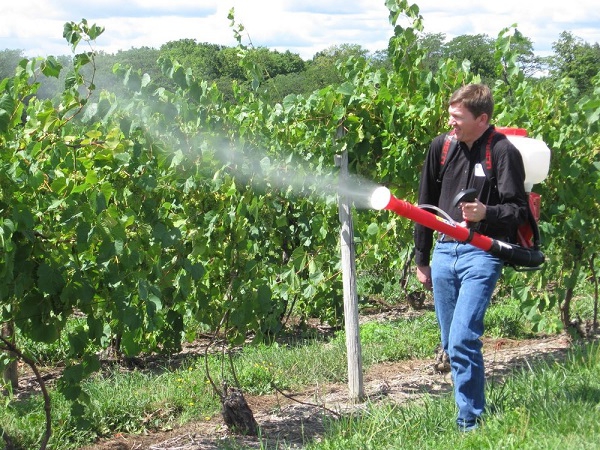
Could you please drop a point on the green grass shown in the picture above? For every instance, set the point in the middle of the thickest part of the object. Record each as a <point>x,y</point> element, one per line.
<point>129,402</point>
<point>505,320</point>
<point>552,405</point>
<point>398,340</point>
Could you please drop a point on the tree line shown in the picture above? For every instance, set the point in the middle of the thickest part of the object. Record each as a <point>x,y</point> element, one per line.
<point>287,73</point>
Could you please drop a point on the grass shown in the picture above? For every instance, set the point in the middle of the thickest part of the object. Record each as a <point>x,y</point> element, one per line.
<point>505,319</point>
<point>551,405</point>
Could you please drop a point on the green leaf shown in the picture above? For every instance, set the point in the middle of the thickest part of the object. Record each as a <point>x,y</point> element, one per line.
<point>91,110</point>
<point>70,381</point>
<point>179,77</point>
<point>196,270</point>
<point>145,80</point>
<point>50,280</point>
<point>51,67</point>
<point>6,109</point>
<point>94,31</point>
<point>346,88</point>
<point>263,297</point>
<point>78,341</point>
<point>45,332</point>
<point>154,304</point>
<point>131,318</point>
<point>82,59</point>
<point>373,229</point>
<point>71,32</point>
<point>130,344</point>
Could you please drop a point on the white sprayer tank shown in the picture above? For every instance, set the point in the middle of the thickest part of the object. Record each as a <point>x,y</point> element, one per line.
<point>535,153</point>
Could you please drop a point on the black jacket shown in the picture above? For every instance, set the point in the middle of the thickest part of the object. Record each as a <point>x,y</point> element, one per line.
<point>503,194</point>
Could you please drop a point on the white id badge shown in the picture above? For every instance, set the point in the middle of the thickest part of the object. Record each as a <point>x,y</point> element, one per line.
<point>479,170</point>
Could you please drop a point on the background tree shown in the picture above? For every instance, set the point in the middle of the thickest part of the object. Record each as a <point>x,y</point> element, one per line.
<point>342,51</point>
<point>380,59</point>
<point>478,49</point>
<point>322,70</point>
<point>202,58</point>
<point>9,60</point>
<point>277,63</point>
<point>576,59</point>
<point>526,60</point>
<point>142,58</point>
<point>434,50</point>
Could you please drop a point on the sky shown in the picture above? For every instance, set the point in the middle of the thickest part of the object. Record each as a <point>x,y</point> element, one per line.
<point>304,27</point>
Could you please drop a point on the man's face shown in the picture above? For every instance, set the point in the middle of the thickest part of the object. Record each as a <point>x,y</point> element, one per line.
<point>467,127</point>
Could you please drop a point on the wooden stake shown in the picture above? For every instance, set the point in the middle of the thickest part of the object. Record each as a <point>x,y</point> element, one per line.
<point>355,375</point>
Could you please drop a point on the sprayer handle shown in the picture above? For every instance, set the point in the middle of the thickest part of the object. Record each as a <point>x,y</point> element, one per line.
<point>466,195</point>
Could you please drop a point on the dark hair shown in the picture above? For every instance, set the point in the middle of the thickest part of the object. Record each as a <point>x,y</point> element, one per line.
<point>477,98</point>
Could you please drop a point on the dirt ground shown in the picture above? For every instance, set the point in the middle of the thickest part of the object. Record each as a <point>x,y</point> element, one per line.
<point>299,417</point>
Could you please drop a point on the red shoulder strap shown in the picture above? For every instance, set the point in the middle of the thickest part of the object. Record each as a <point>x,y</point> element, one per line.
<point>447,141</point>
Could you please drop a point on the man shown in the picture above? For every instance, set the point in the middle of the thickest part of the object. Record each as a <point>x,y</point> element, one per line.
<point>462,276</point>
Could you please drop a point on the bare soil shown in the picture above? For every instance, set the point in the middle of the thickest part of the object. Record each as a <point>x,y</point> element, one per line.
<point>289,420</point>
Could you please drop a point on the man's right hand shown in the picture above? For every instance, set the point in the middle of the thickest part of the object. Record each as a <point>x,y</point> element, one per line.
<point>424,276</point>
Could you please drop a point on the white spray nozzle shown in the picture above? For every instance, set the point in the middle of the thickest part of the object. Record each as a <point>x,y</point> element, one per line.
<point>380,198</point>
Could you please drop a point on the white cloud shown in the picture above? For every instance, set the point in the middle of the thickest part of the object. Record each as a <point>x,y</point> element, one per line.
<point>301,26</point>
<point>540,22</point>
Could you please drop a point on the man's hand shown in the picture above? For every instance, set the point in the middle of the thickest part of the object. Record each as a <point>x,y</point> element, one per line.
<point>473,211</point>
<point>424,276</point>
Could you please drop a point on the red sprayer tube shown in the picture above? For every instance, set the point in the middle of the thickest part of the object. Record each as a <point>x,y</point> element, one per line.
<point>381,198</point>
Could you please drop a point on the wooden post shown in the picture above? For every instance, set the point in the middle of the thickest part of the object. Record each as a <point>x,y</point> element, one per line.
<point>355,375</point>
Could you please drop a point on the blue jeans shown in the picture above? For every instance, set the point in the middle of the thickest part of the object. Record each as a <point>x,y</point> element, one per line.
<point>464,278</point>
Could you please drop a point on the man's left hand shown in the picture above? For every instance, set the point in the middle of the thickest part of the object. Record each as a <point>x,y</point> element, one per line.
<point>473,211</point>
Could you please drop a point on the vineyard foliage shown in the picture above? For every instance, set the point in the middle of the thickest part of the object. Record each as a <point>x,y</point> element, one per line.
<point>148,212</point>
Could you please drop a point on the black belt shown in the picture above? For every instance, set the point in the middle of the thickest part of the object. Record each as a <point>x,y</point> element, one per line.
<point>446,238</point>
